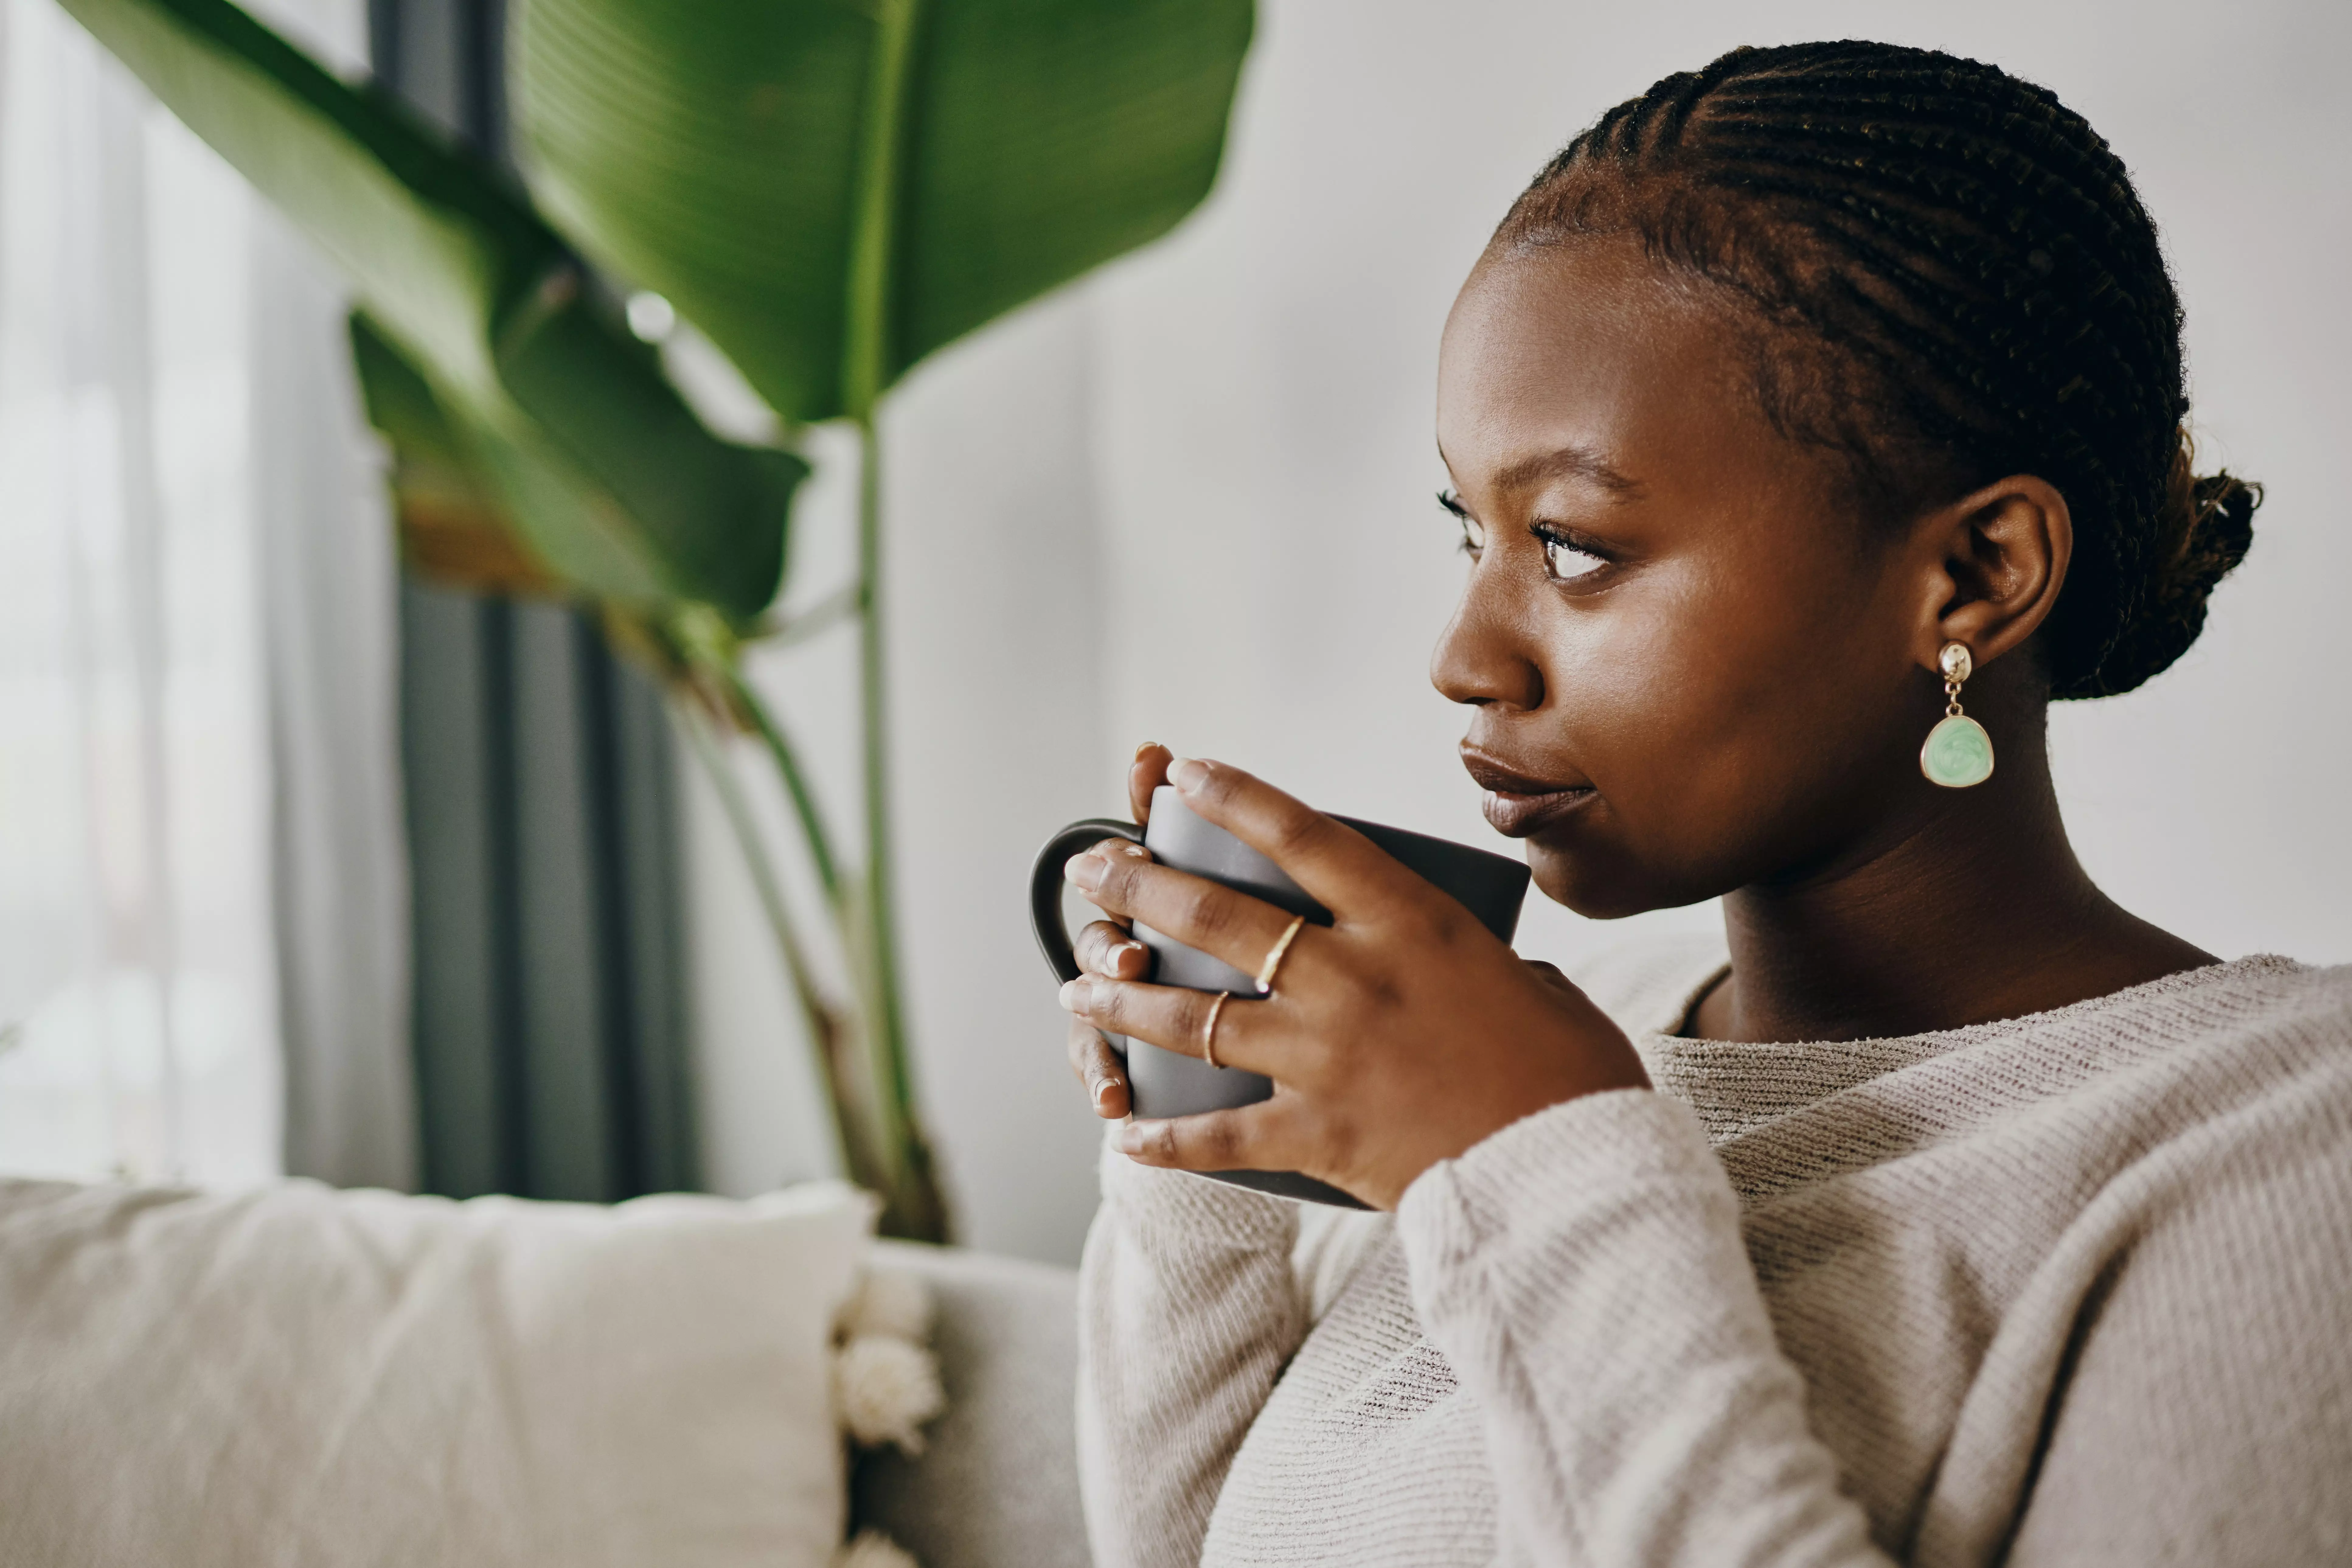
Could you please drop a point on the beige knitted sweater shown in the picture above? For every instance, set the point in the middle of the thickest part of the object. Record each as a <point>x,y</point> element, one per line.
<point>2071,1288</point>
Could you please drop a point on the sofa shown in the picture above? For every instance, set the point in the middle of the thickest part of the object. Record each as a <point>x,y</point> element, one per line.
<point>297,1374</point>
<point>996,1485</point>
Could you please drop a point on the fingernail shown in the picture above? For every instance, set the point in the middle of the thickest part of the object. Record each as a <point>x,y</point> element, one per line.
<point>1087,871</point>
<point>1102,1086</point>
<point>1076,994</point>
<point>1135,851</point>
<point>1148,746</point>
<point>1187,776</point>
<point>1126,951</point>
<point>1130,1139</point>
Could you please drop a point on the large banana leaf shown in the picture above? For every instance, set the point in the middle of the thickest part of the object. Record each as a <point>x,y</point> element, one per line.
<point>531,406</point>
<point>831,189</point>
<point>452,517</point>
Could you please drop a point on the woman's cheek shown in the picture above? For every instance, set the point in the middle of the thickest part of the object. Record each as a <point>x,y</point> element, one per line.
<point>1666,727</point>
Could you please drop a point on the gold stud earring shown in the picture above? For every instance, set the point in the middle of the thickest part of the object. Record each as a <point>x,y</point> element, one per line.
<point>1959,752</point>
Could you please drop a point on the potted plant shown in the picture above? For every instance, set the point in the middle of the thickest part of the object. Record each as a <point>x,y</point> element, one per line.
<point>829,190</point>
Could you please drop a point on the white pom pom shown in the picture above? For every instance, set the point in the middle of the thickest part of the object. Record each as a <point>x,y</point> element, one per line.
<point>889,1302</point>
<point>872,1549</point>
<point>886,1388</point>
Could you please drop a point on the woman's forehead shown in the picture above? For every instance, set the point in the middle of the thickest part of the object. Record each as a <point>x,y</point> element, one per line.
<point>1585,361</point>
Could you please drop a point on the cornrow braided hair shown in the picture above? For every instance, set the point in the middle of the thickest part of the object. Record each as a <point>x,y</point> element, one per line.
<point>1954,280</point>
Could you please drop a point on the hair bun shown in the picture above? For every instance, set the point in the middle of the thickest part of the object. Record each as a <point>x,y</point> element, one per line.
<point>2204,530</point>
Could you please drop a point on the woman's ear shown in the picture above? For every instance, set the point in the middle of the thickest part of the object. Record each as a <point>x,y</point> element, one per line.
<point>1994,561</point>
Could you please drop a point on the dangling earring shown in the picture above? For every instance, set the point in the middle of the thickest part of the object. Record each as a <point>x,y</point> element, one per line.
<point>1959,752</point>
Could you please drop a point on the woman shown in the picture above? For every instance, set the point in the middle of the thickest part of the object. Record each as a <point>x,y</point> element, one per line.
<point>1805,408</point>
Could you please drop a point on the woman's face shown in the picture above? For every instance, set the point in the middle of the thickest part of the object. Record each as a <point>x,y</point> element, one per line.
<point>1693,665</point>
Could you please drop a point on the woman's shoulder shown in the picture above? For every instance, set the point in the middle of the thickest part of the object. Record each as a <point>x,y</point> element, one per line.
<point>2233,1065</point>
<point>2259,1021</point>
<point>2289,994</point>
<point>2264,1012</point>
<point>1649,985</point>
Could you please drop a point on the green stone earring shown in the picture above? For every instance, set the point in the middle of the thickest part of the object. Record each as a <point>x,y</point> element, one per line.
<point>1959,752</point>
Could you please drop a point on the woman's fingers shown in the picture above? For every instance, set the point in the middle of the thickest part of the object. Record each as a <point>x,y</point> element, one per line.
<point>1252,1138</point>
<point>1339,867</point>
<point>1098,1070</point>
<point>1109,949</point>
<point>1177,1019</point>
<point>1117,852</point>
<point>1146,773</point>
<point>1204,915</point>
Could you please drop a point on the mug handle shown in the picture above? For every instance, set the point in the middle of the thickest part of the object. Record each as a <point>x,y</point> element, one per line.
<point>1045,886</point>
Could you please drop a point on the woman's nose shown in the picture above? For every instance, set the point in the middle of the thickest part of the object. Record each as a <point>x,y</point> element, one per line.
<point>1480,658</point>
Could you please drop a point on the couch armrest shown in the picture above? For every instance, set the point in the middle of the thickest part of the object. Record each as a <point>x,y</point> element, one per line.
<point>997,1486</point>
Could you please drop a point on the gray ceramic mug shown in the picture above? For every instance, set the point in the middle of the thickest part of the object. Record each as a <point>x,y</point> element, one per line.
<point>1168,1083</point>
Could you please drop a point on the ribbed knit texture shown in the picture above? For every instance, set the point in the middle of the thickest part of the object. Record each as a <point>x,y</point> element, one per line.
<point>2069,1289</point>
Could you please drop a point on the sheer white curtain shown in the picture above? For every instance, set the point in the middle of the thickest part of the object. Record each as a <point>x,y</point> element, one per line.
<point>196,676</point>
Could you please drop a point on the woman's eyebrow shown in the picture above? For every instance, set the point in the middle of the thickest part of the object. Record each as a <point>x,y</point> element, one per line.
<point>1582,462</point>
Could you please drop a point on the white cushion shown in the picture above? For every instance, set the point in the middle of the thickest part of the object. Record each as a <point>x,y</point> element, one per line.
<point>304,1376</point>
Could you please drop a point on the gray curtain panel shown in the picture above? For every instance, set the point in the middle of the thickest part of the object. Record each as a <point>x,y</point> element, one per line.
<point>549,1002</point>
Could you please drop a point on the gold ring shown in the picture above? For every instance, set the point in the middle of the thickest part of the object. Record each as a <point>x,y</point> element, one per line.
<point>1274,955</point>
<point>1209,1030</point>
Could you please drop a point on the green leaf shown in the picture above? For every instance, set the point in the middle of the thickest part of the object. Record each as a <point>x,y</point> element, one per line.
<point>831,190</point>
<point>570,432</point>
<point>452,520</point>
<point>711,515</point>
<point>1046,137</point>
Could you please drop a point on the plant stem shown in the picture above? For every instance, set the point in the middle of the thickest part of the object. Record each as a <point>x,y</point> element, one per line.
<point>912,1203</point>
<point>913,1198</point>
<point>828,1036</point>
<point>805,806</point>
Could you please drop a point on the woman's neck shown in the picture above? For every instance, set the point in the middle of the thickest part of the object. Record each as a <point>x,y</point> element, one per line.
<point>1974,910</point>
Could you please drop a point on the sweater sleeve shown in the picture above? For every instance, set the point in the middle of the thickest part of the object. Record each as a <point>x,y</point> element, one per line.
<point>1187,1311</point>
<point>2205,1408</point>
<point>1584,1272</point>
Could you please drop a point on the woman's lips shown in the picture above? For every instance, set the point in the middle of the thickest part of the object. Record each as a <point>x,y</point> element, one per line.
<point>1517,816</point>
<point>1517,805</point>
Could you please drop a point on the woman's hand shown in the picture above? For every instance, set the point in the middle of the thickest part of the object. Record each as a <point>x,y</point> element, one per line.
<point>1106,948</point>
<point>1398,1036</point>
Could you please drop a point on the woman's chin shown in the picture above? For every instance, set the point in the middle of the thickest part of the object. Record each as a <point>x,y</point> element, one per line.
<point>1598,885</point>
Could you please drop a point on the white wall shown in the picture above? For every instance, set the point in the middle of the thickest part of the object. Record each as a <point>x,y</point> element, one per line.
<point>1213,463</point>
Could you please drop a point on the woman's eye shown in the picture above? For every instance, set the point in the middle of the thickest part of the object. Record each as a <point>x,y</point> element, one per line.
<point>1474,532</point>
<point>1563,561</point>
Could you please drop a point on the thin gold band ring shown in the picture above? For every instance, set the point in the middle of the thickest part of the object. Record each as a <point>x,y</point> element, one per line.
<point>1209,1030</point>
<point>1274,955</point>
